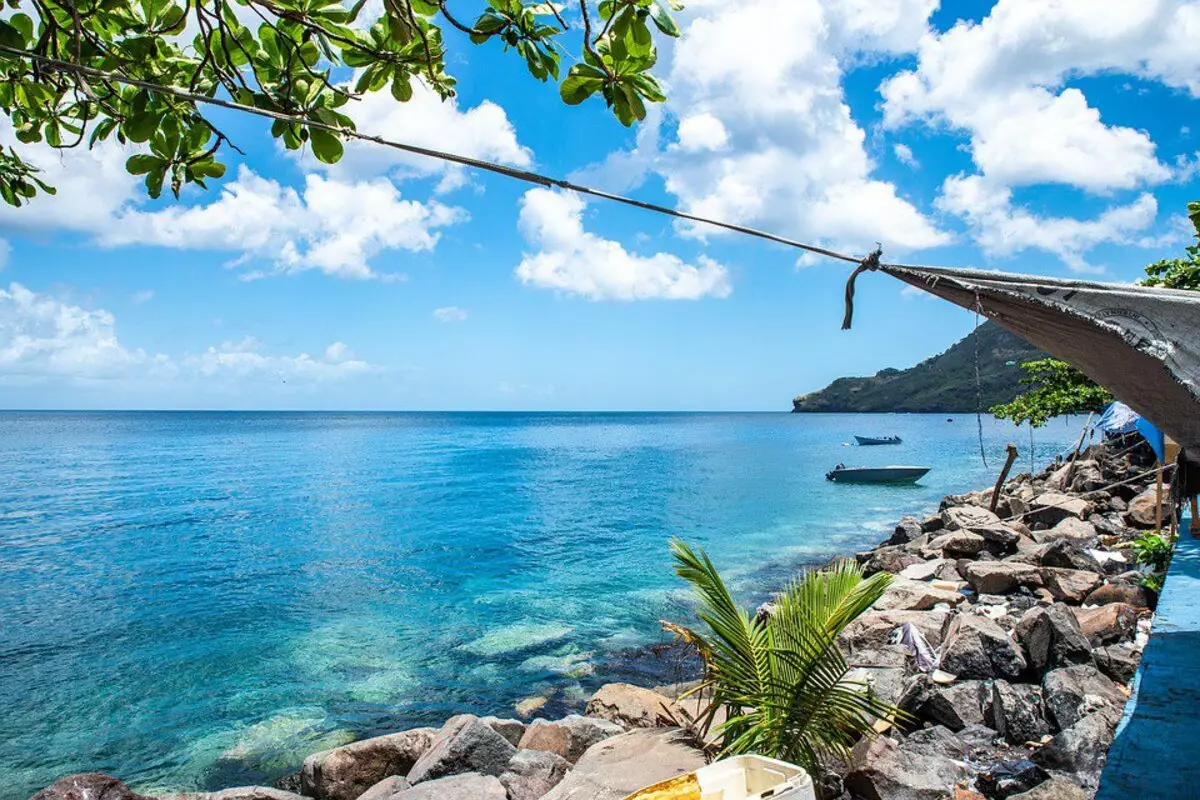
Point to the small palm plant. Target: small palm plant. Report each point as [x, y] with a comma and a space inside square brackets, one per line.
[782, 682]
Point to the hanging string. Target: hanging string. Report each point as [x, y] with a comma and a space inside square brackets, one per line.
[979, 383]
[467, 161]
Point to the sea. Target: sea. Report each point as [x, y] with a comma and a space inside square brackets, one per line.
[194, 601]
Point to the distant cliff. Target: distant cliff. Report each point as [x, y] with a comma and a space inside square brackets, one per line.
[942, 384]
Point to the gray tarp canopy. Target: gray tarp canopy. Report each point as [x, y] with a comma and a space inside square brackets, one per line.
[1140, 343]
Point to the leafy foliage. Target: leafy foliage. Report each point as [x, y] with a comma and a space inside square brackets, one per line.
[783, 682]
[1179, 273]
[1057, 388]
[1153, 549]
[77, 72]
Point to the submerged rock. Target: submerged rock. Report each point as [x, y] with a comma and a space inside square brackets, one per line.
[88, 786]
[344, 773]
[620, 765]
[465, 744]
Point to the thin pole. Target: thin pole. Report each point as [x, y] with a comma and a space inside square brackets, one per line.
[1012, 456]
[1158, 497]
[1075, 455]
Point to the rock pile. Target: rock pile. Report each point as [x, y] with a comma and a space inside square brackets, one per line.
[1034, 621]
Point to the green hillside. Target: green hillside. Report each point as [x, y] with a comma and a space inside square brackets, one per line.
[942, 384]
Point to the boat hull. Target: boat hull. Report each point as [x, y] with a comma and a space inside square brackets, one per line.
[878, 474]
[865, 441]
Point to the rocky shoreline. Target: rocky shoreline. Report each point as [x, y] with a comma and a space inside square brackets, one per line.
[1009, 638]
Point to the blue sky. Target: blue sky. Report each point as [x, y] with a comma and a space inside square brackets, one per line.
[1051, 138]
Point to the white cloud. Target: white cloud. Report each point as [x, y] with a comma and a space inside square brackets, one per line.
[572, 260]
[142, 297]
[46, 338]
[766, 138]
[904, 155]
[5, 252]
[1003, 229]
[450, 314]
[483, 131]
[332, 225]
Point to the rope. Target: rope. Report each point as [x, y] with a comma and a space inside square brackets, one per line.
[871, 262]
[467, 161]
[1134, 479]
[978, 383]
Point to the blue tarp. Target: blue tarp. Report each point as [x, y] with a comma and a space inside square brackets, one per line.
[1117, 419]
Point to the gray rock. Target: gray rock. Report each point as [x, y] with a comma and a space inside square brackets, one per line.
[569, 737]
[1071, 585]
[926, 767]
[1080, 749]
[922, 571]
[1051, 508]
[238, 793]
[510, 729]
[1108, 624]
[465, 744]
[1000, 577]
[968, 518]
[1074, 692]
[1118, 662]
[88, 786]
[1051, 637]
[1141, 512]
[1069, 529]
[909, 528]
[618, 766]
[999, 539]
[1120, 592]
[1067, 554]
[887, 559]
[533, 773]
[955, 707]
[958, 544]
[906, 595]
[344, 773]
[386, 788]
[1007, 778]
[1016, 712]
[634, 707]
[470, 786]
[977, 647]
[1058, 787]
[874, 629]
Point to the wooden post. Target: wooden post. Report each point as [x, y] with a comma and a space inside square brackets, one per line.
[1158, 497]
[1075, 455]
[1012, 456]
[1195, 526]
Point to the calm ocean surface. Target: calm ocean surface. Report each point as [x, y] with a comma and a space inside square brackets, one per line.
[198, 600]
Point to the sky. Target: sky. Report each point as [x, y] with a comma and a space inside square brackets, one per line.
[1055, 137]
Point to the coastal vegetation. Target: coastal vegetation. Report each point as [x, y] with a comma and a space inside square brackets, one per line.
[779, 678]
[150, 73]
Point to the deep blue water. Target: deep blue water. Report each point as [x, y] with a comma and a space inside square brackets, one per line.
[196, 600]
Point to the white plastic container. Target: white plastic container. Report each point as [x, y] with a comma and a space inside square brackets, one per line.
[743, 778]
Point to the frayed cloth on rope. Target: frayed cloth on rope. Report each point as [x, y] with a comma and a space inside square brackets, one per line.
[871, 262]
[914, 641]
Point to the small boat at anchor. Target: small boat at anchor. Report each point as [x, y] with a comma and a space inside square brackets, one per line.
[872, 440]
[843, 474]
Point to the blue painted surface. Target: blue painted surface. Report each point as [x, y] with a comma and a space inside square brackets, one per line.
[1154, 755]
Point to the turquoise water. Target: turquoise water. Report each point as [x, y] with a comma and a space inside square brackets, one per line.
[199, 600]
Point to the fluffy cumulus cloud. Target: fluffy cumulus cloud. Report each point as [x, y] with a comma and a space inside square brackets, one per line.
[43, 337]
[1003, 83]
[570, 259]
[331, 225]
[765, 136]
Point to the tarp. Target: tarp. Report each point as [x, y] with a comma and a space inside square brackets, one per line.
[1117, 419]
[1140, 343]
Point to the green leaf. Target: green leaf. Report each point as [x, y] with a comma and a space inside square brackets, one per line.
[580, 84]
[325, 146]
[142, 163]
[154, 181]
[663, 19]
[402, 88]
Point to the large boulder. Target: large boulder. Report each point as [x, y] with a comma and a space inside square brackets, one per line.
[1012, 776]
[968, 518]
[1080, 749]
[1074, 692]
[1016, 712]
[1108, 624]
[88, 786]
[569, 737]
[874, 629]
[1120, 592]
[1067, 554]
[1141, 510]
[510, 729]
[1051, 637]
[887, 559]
[908, 529]
[237, 793]
[1059, 787]
[906, 595]
[927, 766]
[1119, 662]
[977, 647]
[634, 707]
[386, 788]
[958, 544]
[471, 786]
[1050, 508]
[1069, 529]
[465, 744]
[344, 773]
[955, 706]
[533, 773]
[923, 570]
[618, 766]
[1071, 585]
[999, 539]
[1000, 577]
